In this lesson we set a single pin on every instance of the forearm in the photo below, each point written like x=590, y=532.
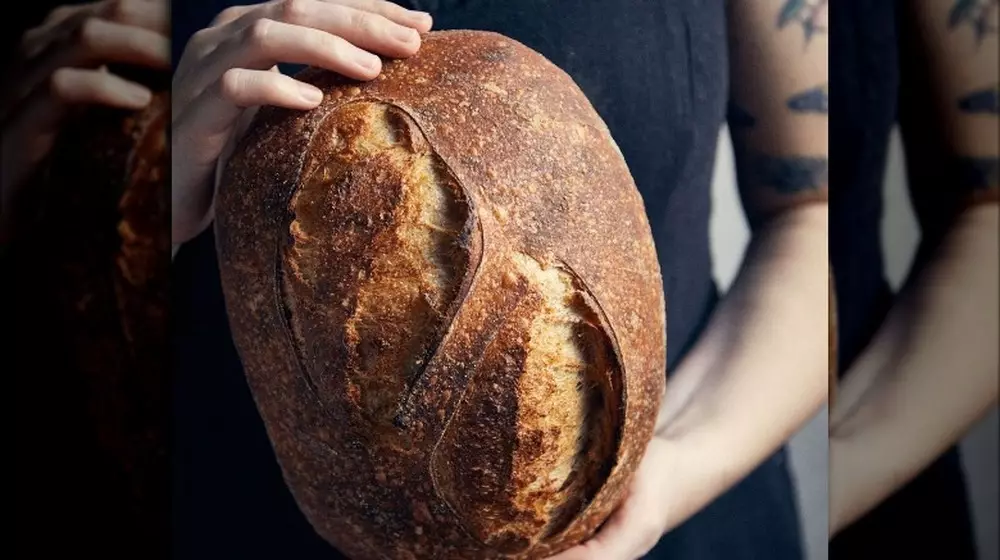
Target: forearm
x=929, y=374
x=759, y=371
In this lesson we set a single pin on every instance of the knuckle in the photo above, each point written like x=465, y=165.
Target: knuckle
x=379, y=26
x=200, y=37
x=365, y=21
x=227, y=15
x=296, y=10
x=90, y=31
x=198, y=46
x=259, y=31
x=60, y=80
x=232, y=83
x=334, y=45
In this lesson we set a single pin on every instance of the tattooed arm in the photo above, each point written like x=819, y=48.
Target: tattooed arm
x=759, y=371
x=931, y=371
x=778, y=104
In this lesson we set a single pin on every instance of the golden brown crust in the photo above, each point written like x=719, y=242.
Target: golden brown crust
x=474, y=186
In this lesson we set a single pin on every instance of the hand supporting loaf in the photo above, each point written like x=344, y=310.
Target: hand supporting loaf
x=223, y=75
x=61, y=64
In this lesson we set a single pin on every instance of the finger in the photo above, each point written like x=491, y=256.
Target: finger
x=76, y=86
x=246, y=118
x=202, y=130
x=268, y=42
x=204, y=41
x=64, y=20
x=249, y=88
x=385, y=31
x=58, y=26
x=616, y=540
x=364, y=29
x=98, y=42
x=421, y=21
x=368, y=29
x=243, y=16
x=105, y=41
x=216, y=110
x=153, y=16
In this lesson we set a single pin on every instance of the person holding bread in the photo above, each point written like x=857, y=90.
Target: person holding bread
x=745, y=369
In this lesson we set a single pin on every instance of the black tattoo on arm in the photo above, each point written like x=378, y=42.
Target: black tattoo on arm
x=805, y=13
x=974, y=13
x=982, y=101
x=788, y=174
x=813, y=100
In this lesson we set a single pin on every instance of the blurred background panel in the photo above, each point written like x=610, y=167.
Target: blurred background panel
x=85, y=280
x=980, y=448
x=914, y=450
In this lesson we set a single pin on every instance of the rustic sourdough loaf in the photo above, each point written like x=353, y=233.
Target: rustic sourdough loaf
x=443, y=288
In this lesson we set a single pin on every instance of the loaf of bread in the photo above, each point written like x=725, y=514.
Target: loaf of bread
x=443, y=287
x=89, y=268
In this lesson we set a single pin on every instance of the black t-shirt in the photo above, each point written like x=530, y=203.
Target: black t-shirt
x=657, y=74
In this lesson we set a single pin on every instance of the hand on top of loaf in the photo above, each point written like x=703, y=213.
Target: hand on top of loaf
x=61, y=63
x=223, y=76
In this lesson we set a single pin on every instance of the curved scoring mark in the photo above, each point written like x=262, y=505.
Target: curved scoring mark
x=376, y=255
x=537, y=431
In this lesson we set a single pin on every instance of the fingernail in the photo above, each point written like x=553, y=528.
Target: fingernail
x=404, y=34
x=310, y=93
x=367, y=61
x=423, y=18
